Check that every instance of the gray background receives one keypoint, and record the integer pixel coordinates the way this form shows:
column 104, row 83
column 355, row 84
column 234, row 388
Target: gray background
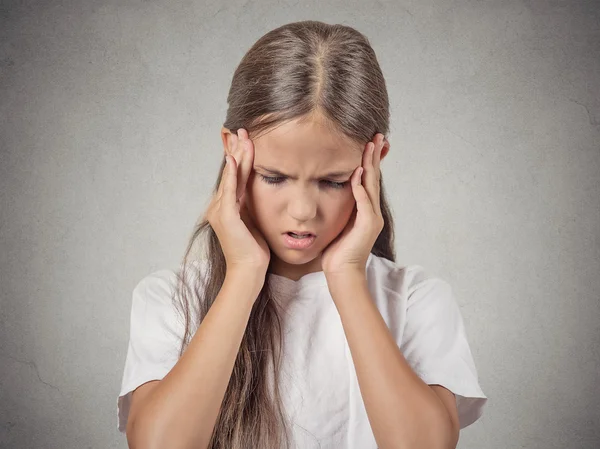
column 110, row 115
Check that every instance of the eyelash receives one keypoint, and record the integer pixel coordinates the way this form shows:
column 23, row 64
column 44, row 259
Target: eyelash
column 280, row 179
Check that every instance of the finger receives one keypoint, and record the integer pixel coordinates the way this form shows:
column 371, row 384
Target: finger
column 221, row 181
column 228, row 198
column 247, row 161
column 369, row 178
column 363, row 202
column 238, row 154
column 377, row 171
column 231, row 145
column 377, row 156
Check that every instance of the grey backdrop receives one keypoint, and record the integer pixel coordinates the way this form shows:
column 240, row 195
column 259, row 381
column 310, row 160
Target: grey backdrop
column 109, row 133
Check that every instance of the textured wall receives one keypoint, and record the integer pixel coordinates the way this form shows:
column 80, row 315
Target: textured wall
column 110, row 113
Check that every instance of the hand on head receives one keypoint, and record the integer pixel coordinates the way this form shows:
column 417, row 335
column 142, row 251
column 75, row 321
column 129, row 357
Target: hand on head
column 243, row 245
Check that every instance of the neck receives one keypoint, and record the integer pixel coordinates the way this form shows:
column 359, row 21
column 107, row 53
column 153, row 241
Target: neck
column 294, row 271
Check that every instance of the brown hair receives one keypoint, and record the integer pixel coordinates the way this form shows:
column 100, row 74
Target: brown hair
column 297, row 71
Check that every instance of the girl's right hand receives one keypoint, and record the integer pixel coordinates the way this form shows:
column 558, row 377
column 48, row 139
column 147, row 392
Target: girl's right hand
column 243, row 244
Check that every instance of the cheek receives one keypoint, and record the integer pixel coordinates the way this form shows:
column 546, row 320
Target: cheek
column 339, row 210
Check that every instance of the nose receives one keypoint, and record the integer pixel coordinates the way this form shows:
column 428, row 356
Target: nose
column 302, row 206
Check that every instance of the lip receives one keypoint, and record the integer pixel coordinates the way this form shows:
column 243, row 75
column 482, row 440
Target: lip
column 298, row 244
column 301, row 232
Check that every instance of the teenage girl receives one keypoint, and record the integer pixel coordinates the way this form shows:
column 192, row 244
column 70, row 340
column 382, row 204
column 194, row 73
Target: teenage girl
column 297, row 328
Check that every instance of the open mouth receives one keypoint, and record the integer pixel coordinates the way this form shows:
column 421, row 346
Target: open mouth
column 299, row 241
column 300, row 236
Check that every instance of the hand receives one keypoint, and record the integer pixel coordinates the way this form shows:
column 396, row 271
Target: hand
column 349, row 251
column 242, row 243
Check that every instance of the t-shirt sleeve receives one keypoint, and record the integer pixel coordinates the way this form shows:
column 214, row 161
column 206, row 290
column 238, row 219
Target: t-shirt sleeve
column 435, row 344
column 156, row 330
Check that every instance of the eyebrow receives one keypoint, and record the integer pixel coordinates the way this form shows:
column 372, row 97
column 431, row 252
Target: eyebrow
column 336, row 174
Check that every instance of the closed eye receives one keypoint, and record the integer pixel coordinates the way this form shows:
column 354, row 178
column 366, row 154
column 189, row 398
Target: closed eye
column 281, row 179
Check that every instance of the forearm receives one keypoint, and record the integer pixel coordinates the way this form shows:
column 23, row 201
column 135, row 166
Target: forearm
column 404, row 412
column 182, row 410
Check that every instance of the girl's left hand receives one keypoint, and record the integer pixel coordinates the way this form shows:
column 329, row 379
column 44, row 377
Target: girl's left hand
column 349, row 251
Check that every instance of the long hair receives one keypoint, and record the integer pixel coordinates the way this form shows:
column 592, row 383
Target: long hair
column 293, row 72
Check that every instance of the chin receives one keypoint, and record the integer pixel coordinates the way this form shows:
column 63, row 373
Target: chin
column 296, row 257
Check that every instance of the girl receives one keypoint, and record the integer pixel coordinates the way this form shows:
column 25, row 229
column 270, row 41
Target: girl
column 297, row 328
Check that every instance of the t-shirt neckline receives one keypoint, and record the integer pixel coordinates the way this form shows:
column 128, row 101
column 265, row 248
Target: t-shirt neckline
column 316, row 278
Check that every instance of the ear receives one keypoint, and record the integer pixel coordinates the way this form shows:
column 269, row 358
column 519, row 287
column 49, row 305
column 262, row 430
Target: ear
column 385, row 150
column 226, row 138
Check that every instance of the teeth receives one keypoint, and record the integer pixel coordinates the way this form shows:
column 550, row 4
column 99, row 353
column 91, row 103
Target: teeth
column 299, row 236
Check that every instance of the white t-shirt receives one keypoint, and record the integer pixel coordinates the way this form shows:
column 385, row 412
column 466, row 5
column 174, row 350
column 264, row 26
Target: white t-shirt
column 320, row 389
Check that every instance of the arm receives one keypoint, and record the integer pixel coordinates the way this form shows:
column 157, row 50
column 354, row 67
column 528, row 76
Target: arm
column 180, row 411
column 404, row 412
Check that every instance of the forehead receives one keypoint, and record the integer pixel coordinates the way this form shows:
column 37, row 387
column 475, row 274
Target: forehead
column 306, row 147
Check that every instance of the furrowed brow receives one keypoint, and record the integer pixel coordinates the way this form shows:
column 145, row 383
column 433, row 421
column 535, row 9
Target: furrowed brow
column 337, row 174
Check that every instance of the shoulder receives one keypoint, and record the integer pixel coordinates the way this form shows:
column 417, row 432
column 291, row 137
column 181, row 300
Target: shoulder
column 401, row 291
column 154, row 298
column 401, row 281
column 165, row 281
column 155, row 285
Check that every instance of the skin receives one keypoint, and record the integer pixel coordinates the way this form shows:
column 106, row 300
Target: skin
column 305, row 198
column 348, row 221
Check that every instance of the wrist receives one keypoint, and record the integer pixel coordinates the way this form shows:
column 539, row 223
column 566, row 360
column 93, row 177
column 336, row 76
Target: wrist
column 349, row 279
column 248, row 281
